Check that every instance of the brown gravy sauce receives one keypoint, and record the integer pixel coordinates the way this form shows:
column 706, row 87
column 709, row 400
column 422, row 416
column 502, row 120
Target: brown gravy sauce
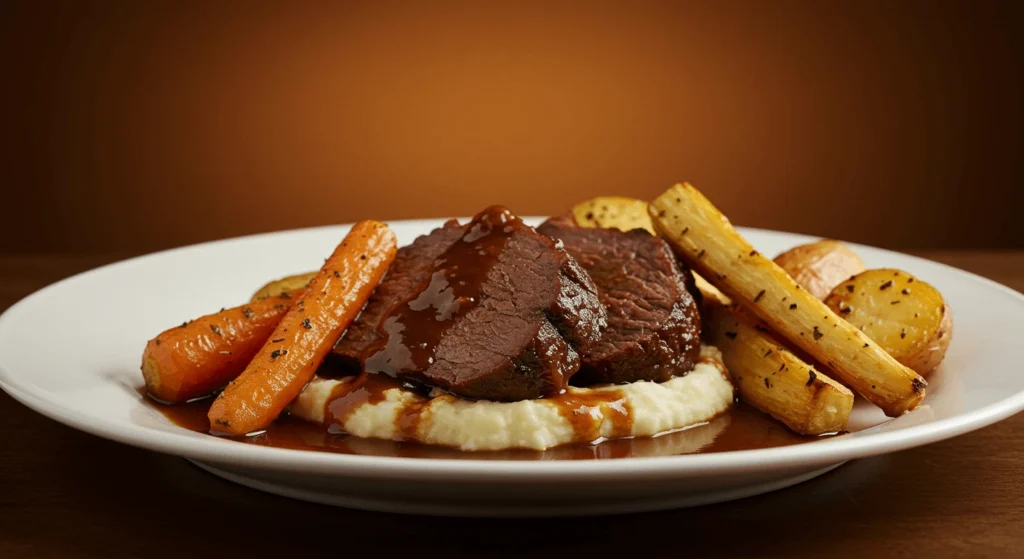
column 740, row 428
column 412, row 329
column 370, row 388
column 584, row 413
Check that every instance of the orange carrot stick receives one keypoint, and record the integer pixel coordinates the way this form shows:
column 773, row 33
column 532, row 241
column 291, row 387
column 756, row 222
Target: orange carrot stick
column 200, row 356
column 306, row 333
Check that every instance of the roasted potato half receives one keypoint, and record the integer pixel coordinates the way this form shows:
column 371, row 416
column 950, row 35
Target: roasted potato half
column 277, row 287
column 905, row 316
column 819, row 267
column 613, row 212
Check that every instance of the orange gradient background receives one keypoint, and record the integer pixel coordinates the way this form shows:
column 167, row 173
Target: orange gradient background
column 138, row 126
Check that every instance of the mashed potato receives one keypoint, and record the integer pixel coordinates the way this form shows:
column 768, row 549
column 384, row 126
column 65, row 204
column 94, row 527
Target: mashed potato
column 640, row 409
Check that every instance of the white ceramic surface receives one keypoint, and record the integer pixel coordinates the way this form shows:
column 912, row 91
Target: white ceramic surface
column 103, row 318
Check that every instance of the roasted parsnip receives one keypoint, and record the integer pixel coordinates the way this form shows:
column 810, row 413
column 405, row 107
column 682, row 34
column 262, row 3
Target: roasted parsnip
column 904, row 315
column 770, row 378
column 705, row 240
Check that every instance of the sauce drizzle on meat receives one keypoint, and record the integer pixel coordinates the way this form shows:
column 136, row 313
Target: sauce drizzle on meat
column 412, row 329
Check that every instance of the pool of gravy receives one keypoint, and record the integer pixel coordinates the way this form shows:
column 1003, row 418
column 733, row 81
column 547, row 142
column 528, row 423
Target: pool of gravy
column 740, row 428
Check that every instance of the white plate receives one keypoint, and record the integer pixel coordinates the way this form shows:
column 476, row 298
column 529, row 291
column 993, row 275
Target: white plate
column 101, row 319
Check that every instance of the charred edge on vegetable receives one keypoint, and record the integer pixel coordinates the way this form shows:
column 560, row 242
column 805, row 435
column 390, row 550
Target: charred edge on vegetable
column 810, row 377
column 753, row 253
column 183, row 324
column 758, row 296
column 918, row 385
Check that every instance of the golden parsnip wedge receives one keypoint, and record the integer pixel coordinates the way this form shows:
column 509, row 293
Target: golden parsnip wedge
column 904, row 315
column 705, row 240
column 283, row 285
column 820, row 266
column 773, row 380
column 613, row 212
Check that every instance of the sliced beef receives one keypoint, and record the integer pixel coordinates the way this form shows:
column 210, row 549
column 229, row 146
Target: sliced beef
column 653, row 328
column 499, row 315
column 408, row 271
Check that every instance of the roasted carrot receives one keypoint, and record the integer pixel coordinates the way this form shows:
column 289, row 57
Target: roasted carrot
column 200, row 356
column 306, row 333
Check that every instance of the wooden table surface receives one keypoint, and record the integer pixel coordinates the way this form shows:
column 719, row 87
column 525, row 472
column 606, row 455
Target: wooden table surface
column 67, row 494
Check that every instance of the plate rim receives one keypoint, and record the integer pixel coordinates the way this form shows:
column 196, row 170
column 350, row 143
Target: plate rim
column 381, row 467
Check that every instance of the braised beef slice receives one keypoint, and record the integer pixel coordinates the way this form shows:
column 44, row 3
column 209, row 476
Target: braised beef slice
column 499, row 314
column 654, row 326
column 409, row 269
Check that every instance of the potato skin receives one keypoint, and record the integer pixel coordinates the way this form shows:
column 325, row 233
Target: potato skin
column 905, row 316
column 277, row 287
column 613, row 212
column 820, row 266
